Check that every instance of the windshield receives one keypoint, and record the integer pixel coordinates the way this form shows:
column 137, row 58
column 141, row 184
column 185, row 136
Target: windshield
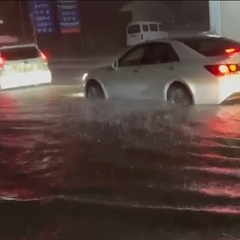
column 132, row 29
column 21, row 53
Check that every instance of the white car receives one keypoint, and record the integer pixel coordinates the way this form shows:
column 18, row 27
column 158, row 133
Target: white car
column 186, row 70
column 23, row 65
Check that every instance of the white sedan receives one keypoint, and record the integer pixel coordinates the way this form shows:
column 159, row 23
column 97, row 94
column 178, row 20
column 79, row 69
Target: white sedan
column 188, row 70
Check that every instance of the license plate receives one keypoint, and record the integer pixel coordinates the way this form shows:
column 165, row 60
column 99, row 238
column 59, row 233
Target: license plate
column 24, row 68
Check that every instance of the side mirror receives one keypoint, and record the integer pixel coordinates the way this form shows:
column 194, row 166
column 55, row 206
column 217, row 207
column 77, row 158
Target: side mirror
column 115, row 65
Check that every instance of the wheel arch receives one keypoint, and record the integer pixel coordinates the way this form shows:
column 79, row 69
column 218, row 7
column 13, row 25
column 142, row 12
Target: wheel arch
column 183, row 83
column 94, row 81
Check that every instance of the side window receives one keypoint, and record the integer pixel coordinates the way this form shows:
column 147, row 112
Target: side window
column 160, row 53
column 133, row 29
column 133, row 57
column 145, row 28
column 153, row 27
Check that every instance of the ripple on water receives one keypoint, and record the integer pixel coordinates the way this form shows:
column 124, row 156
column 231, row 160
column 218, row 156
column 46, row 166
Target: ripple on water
column 120, row 149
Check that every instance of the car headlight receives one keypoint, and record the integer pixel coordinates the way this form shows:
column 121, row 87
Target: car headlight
column 84, row 76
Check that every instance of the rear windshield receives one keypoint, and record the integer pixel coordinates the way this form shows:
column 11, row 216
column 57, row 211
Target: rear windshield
column 13, row 54
column 134, row 29
column 210, row 46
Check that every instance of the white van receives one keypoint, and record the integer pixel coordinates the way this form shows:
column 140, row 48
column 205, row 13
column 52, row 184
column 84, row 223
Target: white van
column 138, row 32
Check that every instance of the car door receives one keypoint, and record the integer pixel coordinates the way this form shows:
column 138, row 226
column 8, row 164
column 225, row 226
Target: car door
column 122, row 82
column 134, row 34
column 159, row 66
column 153, row 31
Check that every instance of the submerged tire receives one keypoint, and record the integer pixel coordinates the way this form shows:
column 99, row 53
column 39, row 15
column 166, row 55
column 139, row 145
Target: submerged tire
column 94, row 91
column 179, row 94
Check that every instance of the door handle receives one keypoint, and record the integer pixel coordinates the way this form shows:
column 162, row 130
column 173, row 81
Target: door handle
column 135, row 71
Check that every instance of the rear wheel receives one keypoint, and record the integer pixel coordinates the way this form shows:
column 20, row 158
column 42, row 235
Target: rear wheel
column 179, row 94
column 94, row 91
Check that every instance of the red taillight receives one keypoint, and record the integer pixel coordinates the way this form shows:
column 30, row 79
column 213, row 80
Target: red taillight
column 43, row 56
column 1, row 62
column 232, row 50
column 223, row 69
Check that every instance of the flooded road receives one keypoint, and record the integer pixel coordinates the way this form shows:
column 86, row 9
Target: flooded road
column 72, row 168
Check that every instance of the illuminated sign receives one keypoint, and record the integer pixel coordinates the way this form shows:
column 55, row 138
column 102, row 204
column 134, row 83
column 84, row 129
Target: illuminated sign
column 42, row 16
column 68, row 16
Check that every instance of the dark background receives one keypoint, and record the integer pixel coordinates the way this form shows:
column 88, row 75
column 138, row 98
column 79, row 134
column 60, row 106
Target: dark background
column 102, row 25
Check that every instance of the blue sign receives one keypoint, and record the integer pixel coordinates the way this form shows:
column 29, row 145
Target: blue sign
column 42, row 16
column 68, row 16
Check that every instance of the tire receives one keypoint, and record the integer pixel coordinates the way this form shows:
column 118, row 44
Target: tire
column 179, row 94
column 94, row 91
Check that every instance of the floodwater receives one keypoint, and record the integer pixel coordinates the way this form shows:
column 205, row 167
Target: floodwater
column 72, row 168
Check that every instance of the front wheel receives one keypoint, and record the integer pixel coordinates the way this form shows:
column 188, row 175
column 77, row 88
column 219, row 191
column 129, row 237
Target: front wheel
column 179, row 94
column 94, row 91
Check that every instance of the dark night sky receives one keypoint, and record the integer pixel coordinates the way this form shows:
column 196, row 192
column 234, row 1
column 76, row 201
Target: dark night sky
column 99, row 12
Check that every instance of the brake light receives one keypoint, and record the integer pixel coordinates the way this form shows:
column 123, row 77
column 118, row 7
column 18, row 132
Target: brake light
column 43, row 56
column 223, row 69
column 1, row 62
column 232, row 50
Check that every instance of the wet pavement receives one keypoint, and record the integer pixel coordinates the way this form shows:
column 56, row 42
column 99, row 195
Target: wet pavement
column 72, row 168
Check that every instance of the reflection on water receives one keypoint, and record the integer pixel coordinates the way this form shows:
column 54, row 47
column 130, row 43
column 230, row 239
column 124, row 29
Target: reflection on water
column 132, row 154
column 121, row 149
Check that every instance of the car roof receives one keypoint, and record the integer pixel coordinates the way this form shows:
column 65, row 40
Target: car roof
column 8, row 46
column 195, row 37
column 19, row 42
column 143, row 22
column 183, row 38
